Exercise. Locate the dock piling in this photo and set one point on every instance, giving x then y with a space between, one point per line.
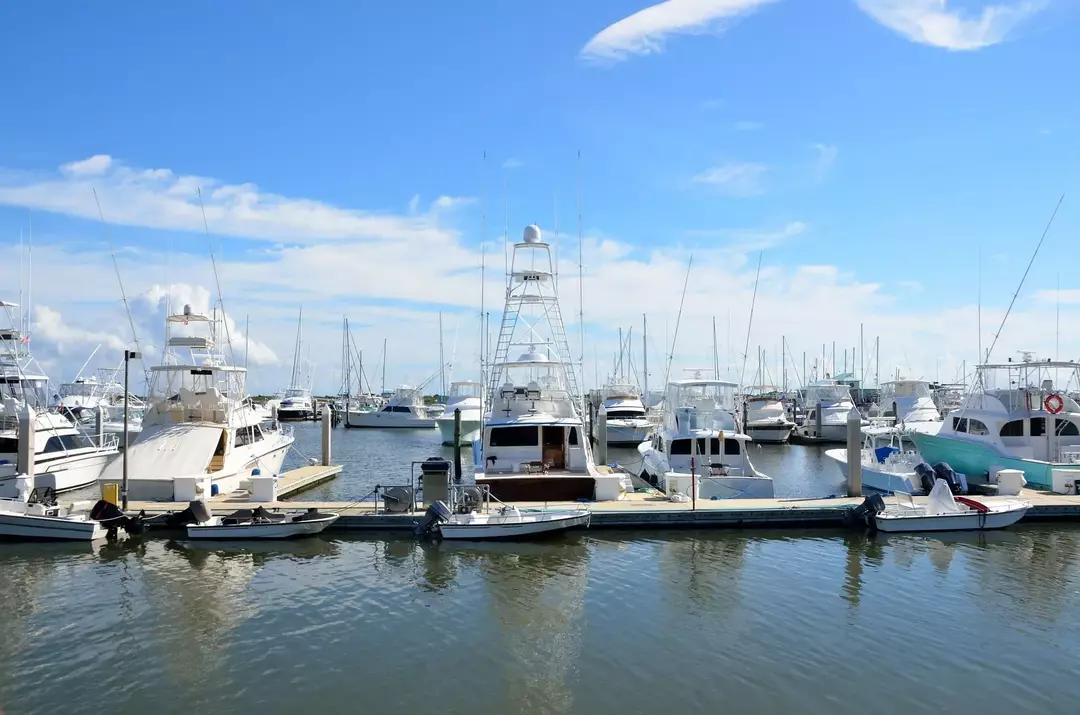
457 445
601 435
25 458
99 426
327 425
854 454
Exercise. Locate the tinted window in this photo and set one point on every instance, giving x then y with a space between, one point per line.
701 446
1038 426
623 414
1067 429
515 437
572 439
959 425
76 441
714 446
680 446
9 445
731 446
977 427
401 408
1013 429
388 408
53 445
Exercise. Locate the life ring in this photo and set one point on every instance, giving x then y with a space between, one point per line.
1054 404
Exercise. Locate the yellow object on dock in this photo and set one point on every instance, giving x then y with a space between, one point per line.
111 493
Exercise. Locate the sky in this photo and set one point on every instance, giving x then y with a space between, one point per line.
835 169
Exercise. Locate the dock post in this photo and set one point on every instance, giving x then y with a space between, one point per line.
99 426
817 421
854 454
601 436
326 427
25 458
457 445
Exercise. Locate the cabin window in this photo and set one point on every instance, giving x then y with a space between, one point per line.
680 447
9 445
714 446
53 445
812 414
977 427
1012 429
248 435
701 446
1038 426
388 408
572 439
623 414
515 437
401 408
731 446
959 424
1065 428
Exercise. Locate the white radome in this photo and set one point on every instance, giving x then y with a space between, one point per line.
532 234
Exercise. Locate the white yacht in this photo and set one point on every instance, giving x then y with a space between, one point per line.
465 395
404 410
908 404
627 423
201 433
699 446
295 403
826 407
66 457
765 419
81 399
1019 416
534 446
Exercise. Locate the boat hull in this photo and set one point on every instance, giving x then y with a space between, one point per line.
286 414
23 527
510 530
769 434
540 488
64 474
629 435
978 460
830 433
470 431
877 479
966 521
274 530
387 420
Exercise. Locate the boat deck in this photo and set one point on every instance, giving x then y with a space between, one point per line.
645 511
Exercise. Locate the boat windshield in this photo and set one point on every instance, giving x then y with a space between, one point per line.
32 389
827 394
465 389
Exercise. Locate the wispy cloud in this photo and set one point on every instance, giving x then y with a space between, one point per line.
748 126
933 22
158 198
734 178
826 160
513 163
913 286
645 31
1069 296
751 241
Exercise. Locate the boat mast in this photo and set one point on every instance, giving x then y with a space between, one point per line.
247 339
384 365
715 354
581 285
442 362
645 356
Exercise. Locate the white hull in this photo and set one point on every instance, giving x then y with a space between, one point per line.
63 474
22 527
829 433
731 487
483 527
878 479
273 530
965 521
627 434
385 420
470 430
769 434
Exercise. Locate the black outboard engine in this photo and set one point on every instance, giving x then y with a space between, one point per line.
112 518
942 470
436 514
926 476
196 513
864 513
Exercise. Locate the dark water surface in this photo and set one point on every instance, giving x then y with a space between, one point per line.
679 622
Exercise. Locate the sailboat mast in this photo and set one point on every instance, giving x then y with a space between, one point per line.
581 285
384 365
247 339
442 361
645 356
715 353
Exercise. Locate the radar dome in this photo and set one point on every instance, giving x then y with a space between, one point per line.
532 234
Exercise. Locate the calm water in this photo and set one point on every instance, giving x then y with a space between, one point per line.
383 457
597 623
675 622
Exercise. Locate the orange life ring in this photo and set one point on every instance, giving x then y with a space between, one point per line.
1054 404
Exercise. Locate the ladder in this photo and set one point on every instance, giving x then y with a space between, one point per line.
558 333
502 347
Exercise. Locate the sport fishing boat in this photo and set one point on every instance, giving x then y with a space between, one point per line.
296 401
627 423
826 406
1020 415
201 433
465 395
766 419
533 445
699 452
404 410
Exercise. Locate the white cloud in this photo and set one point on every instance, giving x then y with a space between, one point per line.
49 325
913 286
414 205
932 22
1069 297
95 165
744 241
826 159
734 178
158 198
645 31
513 163
452 202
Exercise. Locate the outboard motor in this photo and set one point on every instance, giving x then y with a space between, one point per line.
864 513
926 476
436 514
196 513
942 470
112 518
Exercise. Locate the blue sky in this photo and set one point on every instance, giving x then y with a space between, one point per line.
872 148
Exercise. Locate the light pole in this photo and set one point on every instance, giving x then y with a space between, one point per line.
129 355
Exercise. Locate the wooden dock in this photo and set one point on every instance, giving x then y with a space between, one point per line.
644 511
297 480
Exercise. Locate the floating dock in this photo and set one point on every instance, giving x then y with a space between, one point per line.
639 511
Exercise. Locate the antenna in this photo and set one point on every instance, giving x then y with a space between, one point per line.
678 319
581 282
217 279
119 280
247 339
29 272
753 302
